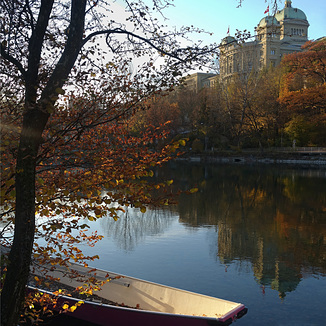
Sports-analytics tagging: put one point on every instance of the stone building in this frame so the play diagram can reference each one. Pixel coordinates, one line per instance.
(199, 80)
(277, 35)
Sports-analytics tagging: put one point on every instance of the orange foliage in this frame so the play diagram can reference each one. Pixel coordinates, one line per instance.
(90, 166)
(305, 79)
(304, 91)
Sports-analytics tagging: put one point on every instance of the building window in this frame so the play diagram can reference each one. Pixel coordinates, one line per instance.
(272, 52)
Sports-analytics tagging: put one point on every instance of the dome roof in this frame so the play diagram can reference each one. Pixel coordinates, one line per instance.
(290, 13)
(268, 21)
(228, 40)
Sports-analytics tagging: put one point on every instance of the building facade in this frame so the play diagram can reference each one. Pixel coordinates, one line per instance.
(277, 35)
(199, 80)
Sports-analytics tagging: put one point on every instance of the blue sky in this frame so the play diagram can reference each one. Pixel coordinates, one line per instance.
(216, 15)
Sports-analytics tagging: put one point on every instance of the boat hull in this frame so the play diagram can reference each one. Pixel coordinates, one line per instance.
(109, 315)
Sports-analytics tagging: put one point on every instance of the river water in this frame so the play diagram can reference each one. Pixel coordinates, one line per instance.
(251, 234)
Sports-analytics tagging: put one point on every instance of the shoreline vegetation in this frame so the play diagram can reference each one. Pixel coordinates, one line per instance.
(300, 156)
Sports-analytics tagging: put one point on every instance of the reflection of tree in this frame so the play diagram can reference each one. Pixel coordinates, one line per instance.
(271, 217)
(133, 226)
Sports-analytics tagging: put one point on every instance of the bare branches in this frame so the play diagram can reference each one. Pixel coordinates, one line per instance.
(5, 54)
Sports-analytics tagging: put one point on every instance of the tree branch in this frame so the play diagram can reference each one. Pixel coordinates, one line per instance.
(70, 53)
(35, 49)
(130, 34)
(11, 59)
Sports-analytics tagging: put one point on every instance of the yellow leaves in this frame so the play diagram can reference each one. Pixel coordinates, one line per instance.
(98, 212)
(182, 142)
(72, 309)
(57, 292)
(44, 212)
(65, 306)
(10, 182)
(40, 181)
(143, 209)
(169, 182)
(110, 64)
(193, 190)
(66, 192)
(12, 193)
(3, 192)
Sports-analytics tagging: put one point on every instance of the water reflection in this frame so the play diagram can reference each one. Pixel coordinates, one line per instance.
(133, 227)
(272, 218)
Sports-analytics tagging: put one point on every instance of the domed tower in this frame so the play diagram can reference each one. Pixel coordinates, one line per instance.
(294, 26)
(283, 33)
(276, 35)
(268, 34)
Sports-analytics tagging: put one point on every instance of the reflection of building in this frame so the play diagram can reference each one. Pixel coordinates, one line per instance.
(277, 35)
(269, 271)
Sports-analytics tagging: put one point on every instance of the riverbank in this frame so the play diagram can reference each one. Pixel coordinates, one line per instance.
(300, 157)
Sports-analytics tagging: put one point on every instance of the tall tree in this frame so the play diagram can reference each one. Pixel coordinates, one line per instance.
(49, 45)
(304, 91)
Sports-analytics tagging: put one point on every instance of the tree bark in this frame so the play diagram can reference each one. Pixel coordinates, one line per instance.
(36, 115)
(13, 292)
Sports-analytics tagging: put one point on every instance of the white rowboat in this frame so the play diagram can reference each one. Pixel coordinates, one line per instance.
(155, 304)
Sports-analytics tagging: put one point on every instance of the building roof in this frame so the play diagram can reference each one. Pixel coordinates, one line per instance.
(288, 12)
(228, 39)
(268, 21)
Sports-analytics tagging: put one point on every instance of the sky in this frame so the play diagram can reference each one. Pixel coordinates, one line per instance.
(217, 15)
